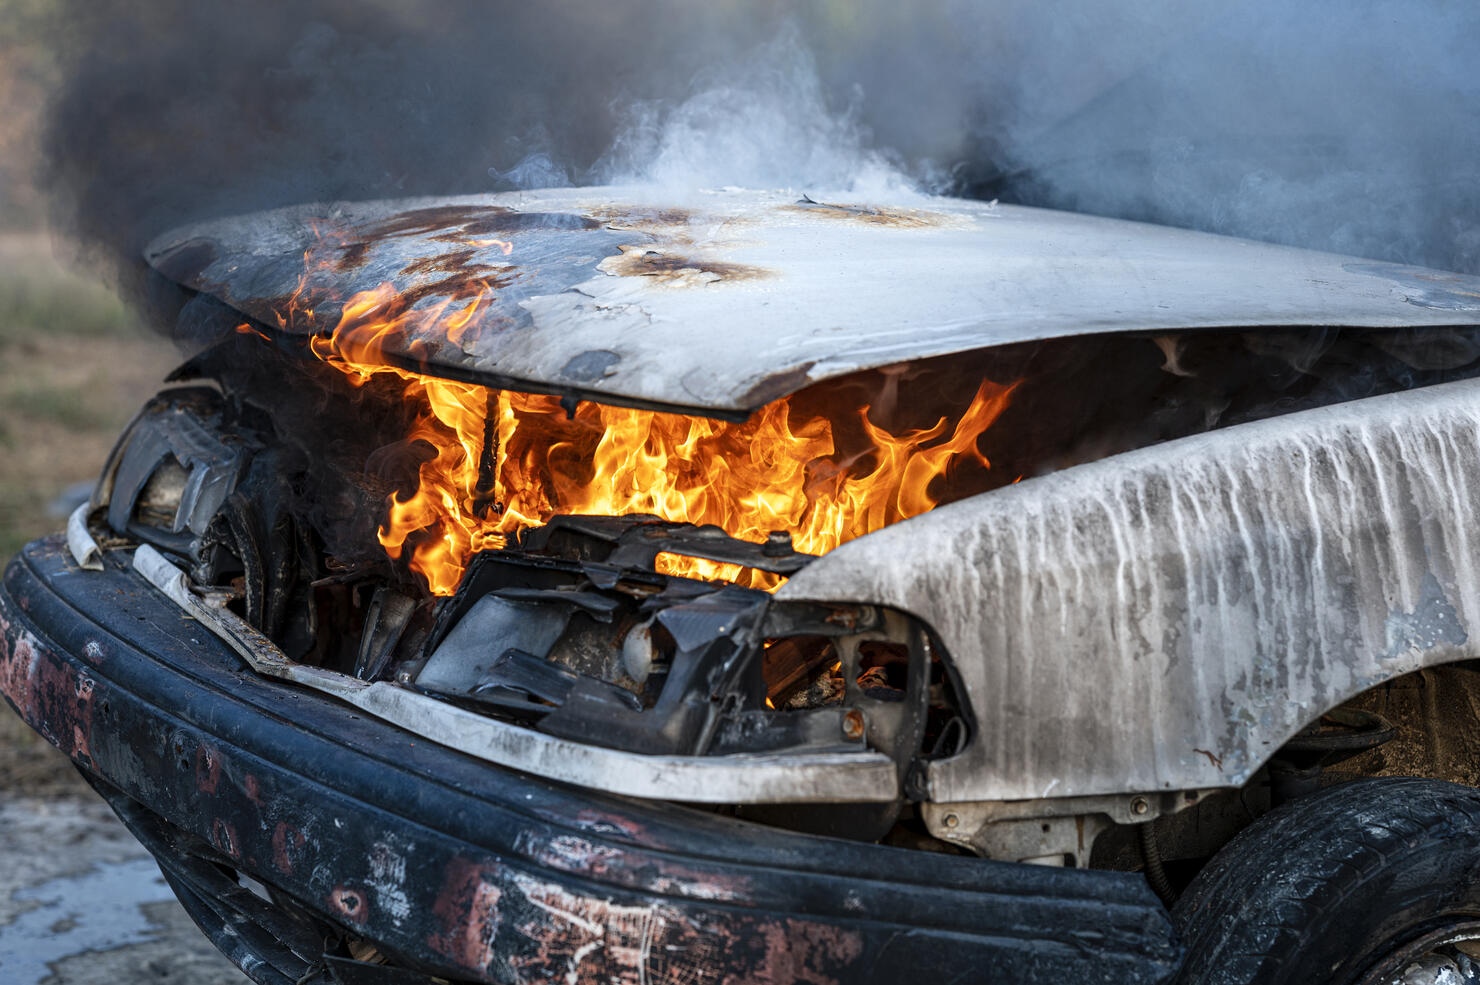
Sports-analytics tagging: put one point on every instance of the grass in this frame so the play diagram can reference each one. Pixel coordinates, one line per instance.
(64, 406)
(38, 298)
(74, 366)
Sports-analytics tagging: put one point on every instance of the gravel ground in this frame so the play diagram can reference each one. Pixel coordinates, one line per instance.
(82, 903)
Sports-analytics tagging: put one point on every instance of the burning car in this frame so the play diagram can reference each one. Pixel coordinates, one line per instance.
(572, 586)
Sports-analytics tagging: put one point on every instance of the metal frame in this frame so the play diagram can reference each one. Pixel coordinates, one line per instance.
(1051, 832)
(460, 869)
(865, 776)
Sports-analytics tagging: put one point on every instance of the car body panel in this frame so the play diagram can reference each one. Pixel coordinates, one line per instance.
(465, 870)
(860, 776)
(1167, 618)
(739, 298)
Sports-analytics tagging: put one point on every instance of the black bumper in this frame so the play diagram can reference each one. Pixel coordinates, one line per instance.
(467, 871)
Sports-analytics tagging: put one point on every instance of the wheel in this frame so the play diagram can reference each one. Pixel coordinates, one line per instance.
(1373, 882)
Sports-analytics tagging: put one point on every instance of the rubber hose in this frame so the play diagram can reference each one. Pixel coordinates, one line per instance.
(1151, 857)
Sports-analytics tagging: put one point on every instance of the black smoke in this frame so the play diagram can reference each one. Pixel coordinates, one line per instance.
(176, 110)
(1347, 126)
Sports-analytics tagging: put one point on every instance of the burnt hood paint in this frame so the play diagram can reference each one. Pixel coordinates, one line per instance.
(739, 298)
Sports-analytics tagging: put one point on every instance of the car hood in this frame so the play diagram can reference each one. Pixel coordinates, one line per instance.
(738, 298)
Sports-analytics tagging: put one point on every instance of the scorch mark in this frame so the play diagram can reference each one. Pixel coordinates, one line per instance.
(287, 842)
(1217, 761)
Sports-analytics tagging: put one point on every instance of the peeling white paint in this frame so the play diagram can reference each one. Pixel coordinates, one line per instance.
(1167, 618)
(388, 881)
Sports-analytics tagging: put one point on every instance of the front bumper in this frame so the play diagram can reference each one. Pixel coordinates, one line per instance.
(470, 872)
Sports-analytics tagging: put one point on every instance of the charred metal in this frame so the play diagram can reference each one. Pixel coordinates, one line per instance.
(1181, 544)
(592, 644)
(467, 873)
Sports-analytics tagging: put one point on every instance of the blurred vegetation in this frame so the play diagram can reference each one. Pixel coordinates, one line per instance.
(74, 361)
(29, 48)
(39, 297)
(74, 366)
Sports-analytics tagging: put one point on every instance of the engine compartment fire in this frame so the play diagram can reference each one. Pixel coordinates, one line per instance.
(574, 587)
(504, 462)
(588, 542)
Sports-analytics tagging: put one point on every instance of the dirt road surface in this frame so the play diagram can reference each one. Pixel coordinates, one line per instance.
(82, 903)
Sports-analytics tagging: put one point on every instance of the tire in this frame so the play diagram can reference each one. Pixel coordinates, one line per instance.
(1338, 888)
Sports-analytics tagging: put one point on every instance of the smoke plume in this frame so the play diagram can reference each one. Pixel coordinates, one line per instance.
(1346, 126)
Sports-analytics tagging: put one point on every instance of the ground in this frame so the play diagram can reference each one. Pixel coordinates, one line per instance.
(74, 366)
(81, 902)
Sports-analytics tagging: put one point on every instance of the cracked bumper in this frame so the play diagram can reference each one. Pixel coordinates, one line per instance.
(466, 871)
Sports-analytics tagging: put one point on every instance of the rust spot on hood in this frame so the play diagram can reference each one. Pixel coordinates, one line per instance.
(465, 279)
(454, 223)
(869, 214)
(464, 225)
(675, 268)
(661, 221)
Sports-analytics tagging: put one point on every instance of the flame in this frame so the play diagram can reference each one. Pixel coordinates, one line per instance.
(505, 461)
(246, 329)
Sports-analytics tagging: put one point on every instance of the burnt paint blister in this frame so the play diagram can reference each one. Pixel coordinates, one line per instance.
(517, 925)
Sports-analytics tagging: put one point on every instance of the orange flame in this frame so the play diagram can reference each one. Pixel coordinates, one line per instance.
(775, 471)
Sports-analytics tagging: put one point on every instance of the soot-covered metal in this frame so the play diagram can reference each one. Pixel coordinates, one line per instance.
(1224, 489)
(702, 308)
(471, 874)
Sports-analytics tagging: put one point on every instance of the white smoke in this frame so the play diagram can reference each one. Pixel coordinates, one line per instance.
(761, 121)
(1345, 125)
